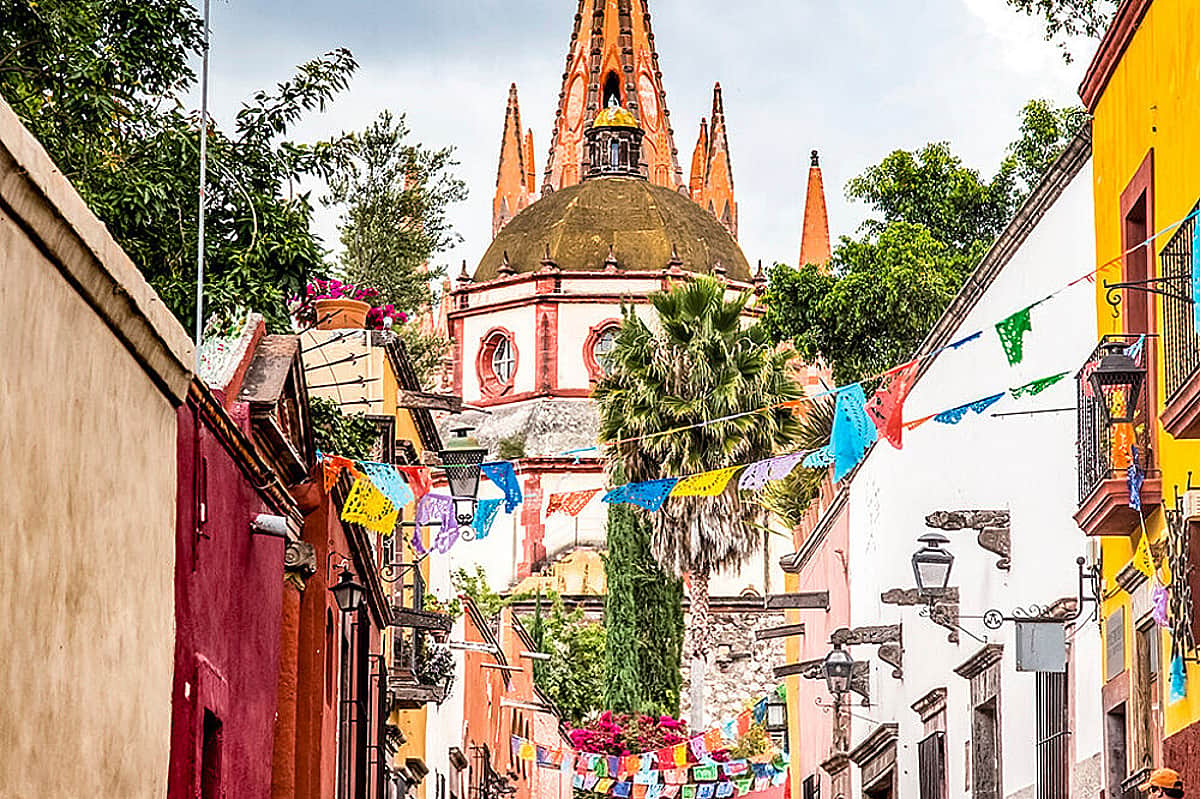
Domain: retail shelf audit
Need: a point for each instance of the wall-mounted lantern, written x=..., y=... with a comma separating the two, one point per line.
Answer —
x=1117, y=381
x=461, y=460
x=932, y=564
x=348, y=594
x=839, y=666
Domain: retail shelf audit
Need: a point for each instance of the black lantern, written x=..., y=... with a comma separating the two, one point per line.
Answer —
x=348, y=594
x=839, y=666
x=1117, y=382
x=461, y=460
x=776, y=721
x=931, y=563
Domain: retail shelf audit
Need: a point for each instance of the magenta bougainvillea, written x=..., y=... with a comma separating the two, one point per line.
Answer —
x=337, y=290
x=627, y=734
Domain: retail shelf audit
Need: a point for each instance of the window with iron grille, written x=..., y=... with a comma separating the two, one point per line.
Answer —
x=1052, y=735
x=931, y=765
x=1181, y=348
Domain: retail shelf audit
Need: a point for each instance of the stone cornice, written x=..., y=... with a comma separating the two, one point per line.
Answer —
x=988, y=656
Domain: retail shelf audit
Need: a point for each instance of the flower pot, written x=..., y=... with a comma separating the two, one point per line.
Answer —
x=341, y=314
x=440, y=636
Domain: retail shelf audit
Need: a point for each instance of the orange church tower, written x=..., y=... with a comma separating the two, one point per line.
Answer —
x=514, y=177
x=814, y=240
x=612, y=56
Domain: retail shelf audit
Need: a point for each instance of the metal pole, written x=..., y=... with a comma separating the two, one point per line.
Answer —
x=203, y=201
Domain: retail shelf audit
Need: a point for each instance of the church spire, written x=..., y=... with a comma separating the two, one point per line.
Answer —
x=718, y=181
x=530, y=169
x=699, y=163
x=814, y=241
x=612, y=55
x=512, y=178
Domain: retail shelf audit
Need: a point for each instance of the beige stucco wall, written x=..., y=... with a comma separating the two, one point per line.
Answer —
x=91, y=368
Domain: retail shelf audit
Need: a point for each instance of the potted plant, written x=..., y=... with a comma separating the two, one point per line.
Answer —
x=334, y=305
x=435, y=666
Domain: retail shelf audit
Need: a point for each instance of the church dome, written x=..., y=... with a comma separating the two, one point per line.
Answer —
x=639, y=220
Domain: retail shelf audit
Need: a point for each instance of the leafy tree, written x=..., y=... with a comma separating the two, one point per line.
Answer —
x=1067, y=18
x=101, y=82
x=698, y=362
x=395, y=194
x=476, y=587
x=882, y=296
x=1046, y=130
x=932, y=188
x=573, y=678
x=643, y=620
x=790, y=497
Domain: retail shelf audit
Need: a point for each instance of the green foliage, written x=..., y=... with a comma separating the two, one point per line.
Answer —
x=933, y=220
x=511, y=448
x=476, y=587
x=754, y=742
x=101, y=82
x=336, y=433
x=1046, y=130
x=1067, y=18
x=699, y=362
x=425, y=352
x=643, y=620
x=451, y=607
x=573, y=678
x=395, y=194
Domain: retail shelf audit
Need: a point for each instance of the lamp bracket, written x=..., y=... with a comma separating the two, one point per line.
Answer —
x=1061, y=610
x=1150, y=286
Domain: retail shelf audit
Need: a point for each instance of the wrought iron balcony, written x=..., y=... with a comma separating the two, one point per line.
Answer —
x=1103, y=452
x=1181, y=346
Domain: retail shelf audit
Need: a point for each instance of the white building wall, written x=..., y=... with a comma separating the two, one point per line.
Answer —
x=1024, y=464
x=575, y=322
x=521, y=323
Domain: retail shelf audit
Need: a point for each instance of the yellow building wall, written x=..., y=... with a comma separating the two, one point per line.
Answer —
x=1151, y=101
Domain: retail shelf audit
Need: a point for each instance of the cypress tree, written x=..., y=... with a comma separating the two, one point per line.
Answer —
x=643, y=620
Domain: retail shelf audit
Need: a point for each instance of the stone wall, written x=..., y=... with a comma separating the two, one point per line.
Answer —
x=741, y=668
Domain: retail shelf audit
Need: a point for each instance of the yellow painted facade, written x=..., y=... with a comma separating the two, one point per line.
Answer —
x=1151, y=103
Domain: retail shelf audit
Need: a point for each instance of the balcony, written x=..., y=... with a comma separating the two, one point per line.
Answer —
x=1181, y=347
x=1102, y=451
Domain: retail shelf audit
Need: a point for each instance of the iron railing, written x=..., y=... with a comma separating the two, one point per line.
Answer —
x=1094, y=443
x=1053, y=735
x=1181, y=346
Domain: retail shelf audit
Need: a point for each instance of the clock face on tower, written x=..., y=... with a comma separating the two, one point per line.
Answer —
x=648, y=98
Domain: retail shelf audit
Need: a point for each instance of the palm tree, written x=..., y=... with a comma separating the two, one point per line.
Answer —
x=696, y=360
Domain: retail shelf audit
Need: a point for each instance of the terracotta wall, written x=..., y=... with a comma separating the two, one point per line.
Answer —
x=91, y=370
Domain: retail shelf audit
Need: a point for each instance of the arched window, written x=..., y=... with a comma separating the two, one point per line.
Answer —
x=612, y=90
x=598, y=347
x=497, y=363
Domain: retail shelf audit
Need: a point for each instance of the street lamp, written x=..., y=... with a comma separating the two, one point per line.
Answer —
x=348, y=594
x=1117, y=380
x=838, y=668
x=461, y=460
x=931, y=563
x=776, y=721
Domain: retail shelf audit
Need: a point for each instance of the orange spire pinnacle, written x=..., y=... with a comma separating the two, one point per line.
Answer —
x=612, y=56
x=718, y=173
x=699, y=163
x=814, y=242
x=530, y=169
x=512, y=177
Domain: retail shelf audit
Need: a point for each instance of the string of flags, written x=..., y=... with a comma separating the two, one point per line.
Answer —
x=380, y=490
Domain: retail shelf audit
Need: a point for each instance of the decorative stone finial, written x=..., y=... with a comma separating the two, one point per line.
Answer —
x=548, y=263
x=610, y=263
x=464, y=276
x=760, y=279
x=506, y=268
x=676, y=263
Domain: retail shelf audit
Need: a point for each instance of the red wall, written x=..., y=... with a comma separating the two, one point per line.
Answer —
x=227, y=616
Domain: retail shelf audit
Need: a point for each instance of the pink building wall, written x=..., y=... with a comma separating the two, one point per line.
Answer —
x=823, y=545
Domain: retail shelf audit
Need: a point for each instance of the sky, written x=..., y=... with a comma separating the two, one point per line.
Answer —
x=854, y=79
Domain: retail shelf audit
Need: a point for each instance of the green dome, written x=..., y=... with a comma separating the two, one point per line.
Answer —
x=639, y=220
